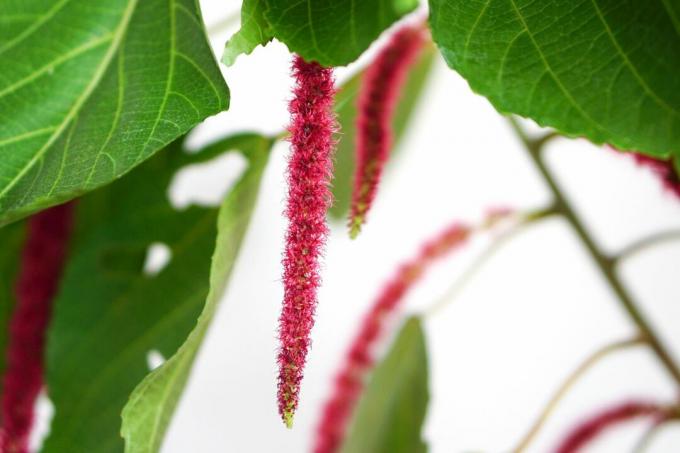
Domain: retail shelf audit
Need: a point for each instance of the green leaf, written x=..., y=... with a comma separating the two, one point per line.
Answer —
x=90, y=89
x=110, y=314
x=150, y=407
x=390, y=414
x=11, y=244
x=603, y=69
x=330, y=32
x=254, y=31
x=345, y=106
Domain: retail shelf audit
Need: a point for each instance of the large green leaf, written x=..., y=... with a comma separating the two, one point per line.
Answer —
x=110, y=313
x=90, y=89
x=148, y=412
x=345, y=106
x=330, y=32
x=11, y=242
x=603, y=69
x=390, y=415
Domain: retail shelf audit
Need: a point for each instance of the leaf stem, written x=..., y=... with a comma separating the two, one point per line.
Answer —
x=483, y=258
x=605, y=264
x=646, y=440
x=563, y=389
x=224, y=24
x=645, y=243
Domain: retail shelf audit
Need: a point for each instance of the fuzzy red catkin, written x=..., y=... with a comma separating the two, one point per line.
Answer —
x=586, y=431
x=42, y=263
x=359, y=359
x=663, y=169
x=310, y=169
x=380, y=89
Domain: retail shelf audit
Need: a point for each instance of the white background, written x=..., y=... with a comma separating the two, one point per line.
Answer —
x=500, y=349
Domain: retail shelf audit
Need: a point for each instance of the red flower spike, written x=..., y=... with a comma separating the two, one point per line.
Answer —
x=310, y=169
x=380, y=89
x=588, y=430
x=42, y=263
x=663, y=169
x=349, y=381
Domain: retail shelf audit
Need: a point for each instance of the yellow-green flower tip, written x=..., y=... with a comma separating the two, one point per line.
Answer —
x=355, y=227
x=288, y=419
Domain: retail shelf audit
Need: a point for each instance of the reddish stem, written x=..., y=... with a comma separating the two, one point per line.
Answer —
x=42, y=263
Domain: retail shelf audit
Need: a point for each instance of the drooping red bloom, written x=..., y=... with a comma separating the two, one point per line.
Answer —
x=350, y=379
x=380, y=89
x=588, y=430
x=42, y=262
x=310, y=169
x=663, y=169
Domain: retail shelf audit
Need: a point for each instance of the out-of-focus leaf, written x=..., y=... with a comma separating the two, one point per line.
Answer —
x=603, y=69
x=150, y=407
x=346, y=107
x=110, y=313
x=254, y=31
x=11, y=243
x=89, y=89
x=390, y=414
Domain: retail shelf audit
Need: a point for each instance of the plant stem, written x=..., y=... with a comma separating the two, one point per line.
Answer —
x=224, y=24
x=644, y=243
x=586, y=365
x=483, y=258
x=646, y=441
x=606, y=265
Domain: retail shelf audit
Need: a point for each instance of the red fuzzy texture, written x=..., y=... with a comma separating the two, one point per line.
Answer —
x=309, y=172
x=349, y=381
x=663, y=169
x=587, y=431
x=380, y=89
x=42, y=262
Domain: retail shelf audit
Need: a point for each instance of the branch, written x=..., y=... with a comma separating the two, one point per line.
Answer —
x=605, y=264
x=483, y=258
x=646, y=441
x=586, y=365
x=645, y=243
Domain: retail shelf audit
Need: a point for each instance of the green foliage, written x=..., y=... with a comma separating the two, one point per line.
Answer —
x=603, y=69
x=148, y=412
x=110, y=313
x=330, y=32
x=253, y=32
x=345, y=106
x=91, y=89
x=11, y=242
x=391, y=412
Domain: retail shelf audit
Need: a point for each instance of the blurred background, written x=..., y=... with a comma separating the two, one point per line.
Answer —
x=499, y=349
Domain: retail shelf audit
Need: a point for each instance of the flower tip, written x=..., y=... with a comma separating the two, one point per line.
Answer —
x=355, y=226
x=288, y=418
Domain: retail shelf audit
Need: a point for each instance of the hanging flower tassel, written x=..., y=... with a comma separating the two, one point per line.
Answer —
x=309, y=172
x=350, y=379
x=380, y=89
x=587, y=431
x=663, y=169
x=42, y=263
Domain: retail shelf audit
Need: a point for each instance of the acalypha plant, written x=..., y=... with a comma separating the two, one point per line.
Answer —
x=96, y=101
